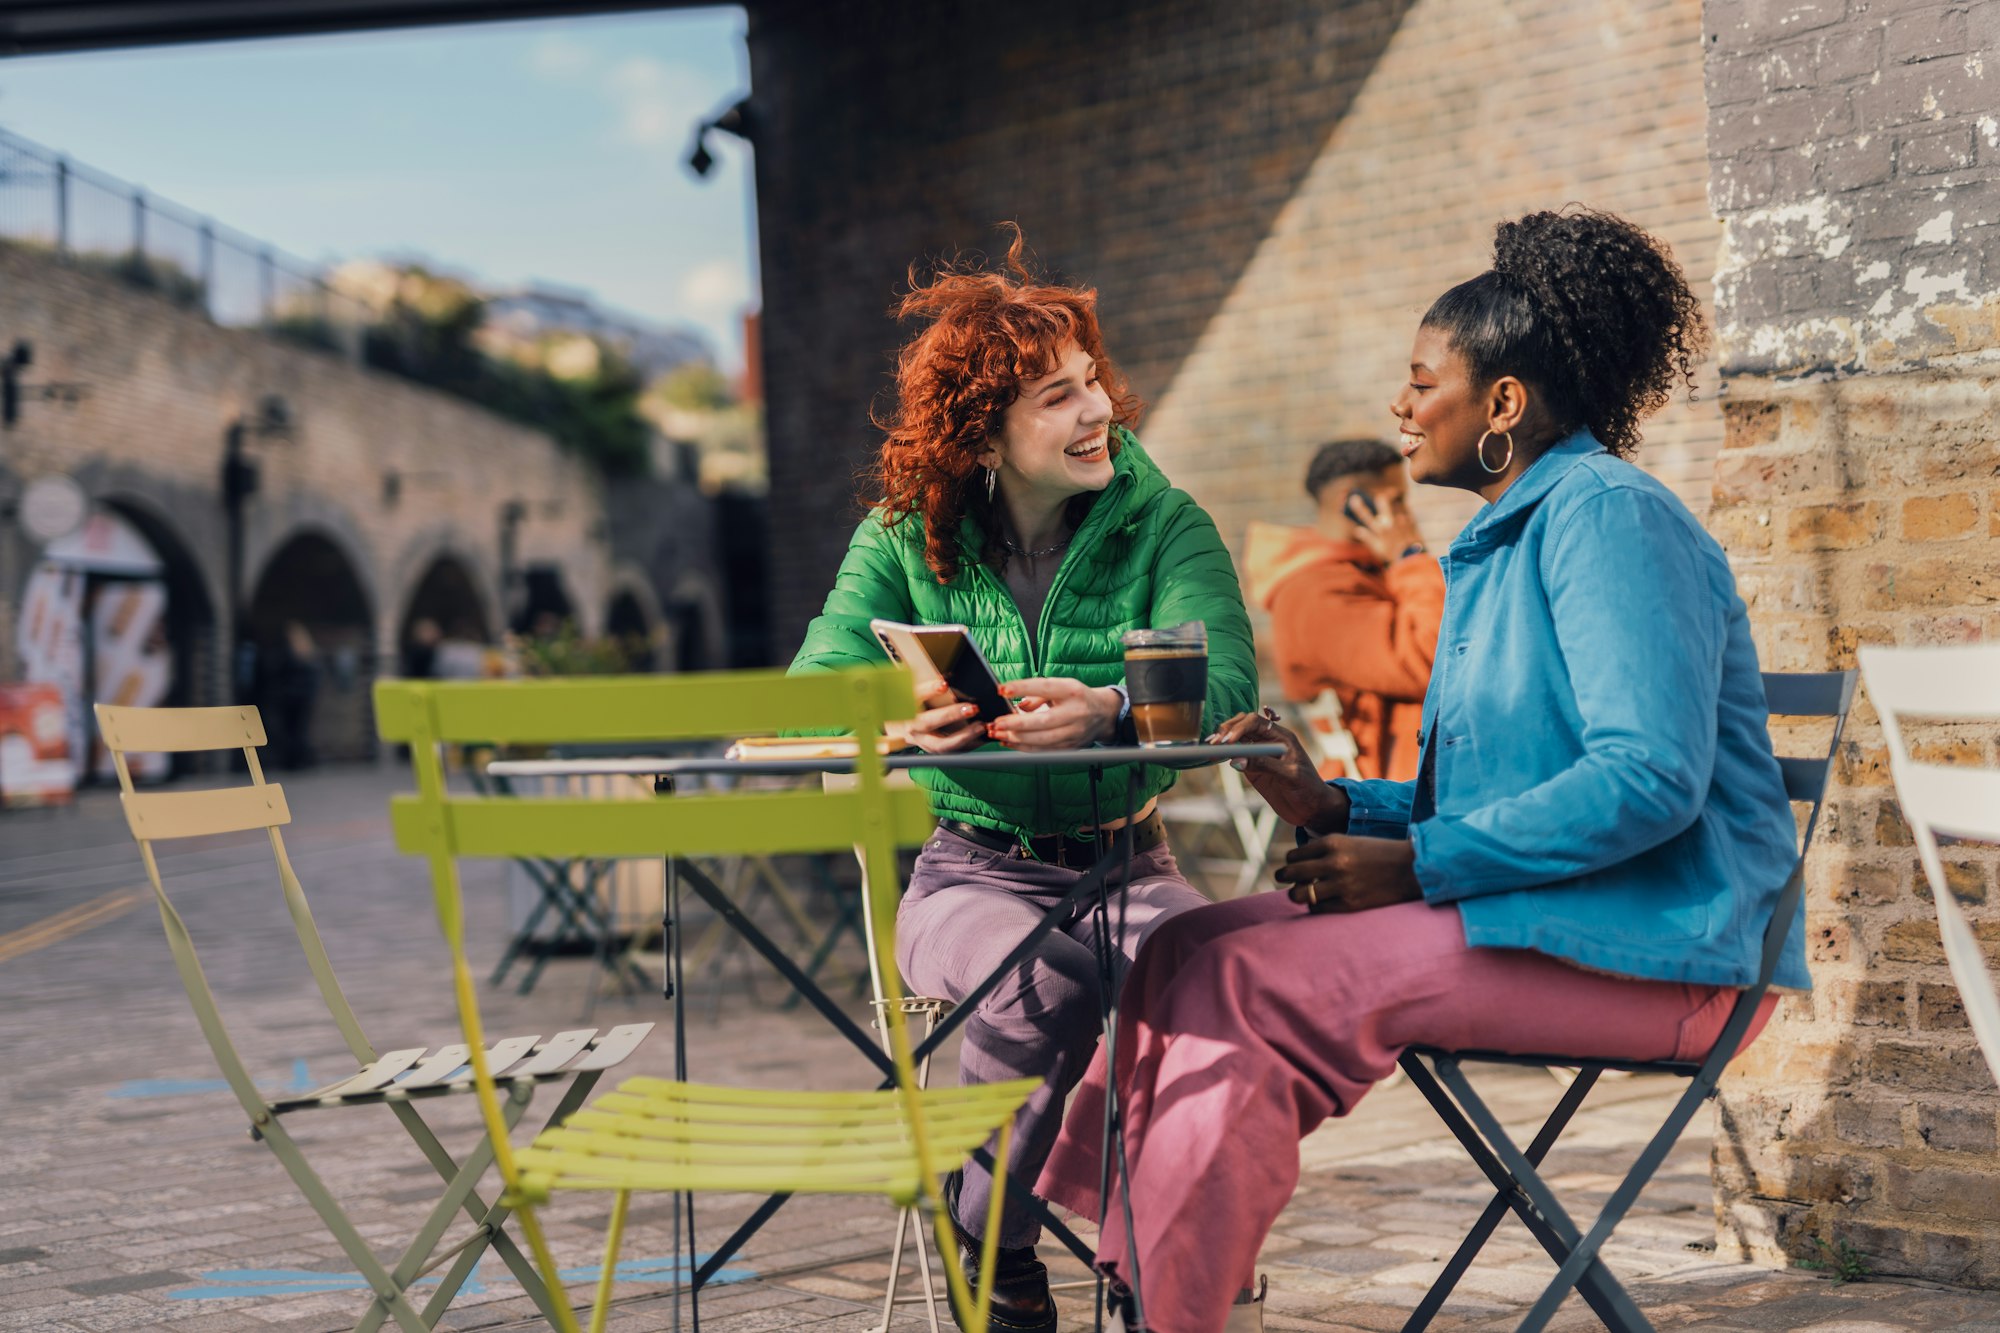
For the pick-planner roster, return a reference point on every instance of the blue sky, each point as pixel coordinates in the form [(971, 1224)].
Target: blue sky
[(549, 151)]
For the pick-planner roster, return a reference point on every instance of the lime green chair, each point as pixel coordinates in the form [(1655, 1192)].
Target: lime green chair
[(656, 1134)]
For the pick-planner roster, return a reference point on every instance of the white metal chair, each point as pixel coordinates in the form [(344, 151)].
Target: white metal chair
[(1229, 811), (1942, 800), (1323, 728)]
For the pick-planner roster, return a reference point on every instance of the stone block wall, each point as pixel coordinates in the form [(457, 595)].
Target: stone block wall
[(161, 384), (1856, 164)]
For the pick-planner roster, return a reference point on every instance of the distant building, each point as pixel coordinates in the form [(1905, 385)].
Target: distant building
[(538, 314)]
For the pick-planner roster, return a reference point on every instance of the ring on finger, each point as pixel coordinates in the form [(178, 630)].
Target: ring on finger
[(1312, 893)]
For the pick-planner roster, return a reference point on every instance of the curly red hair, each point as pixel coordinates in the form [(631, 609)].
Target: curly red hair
[(990, 331)]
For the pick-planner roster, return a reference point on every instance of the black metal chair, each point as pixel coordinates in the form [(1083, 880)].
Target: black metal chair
[(1512, 1170)]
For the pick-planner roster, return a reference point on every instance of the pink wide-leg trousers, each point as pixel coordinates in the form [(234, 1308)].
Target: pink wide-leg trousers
[(1246, 1024)]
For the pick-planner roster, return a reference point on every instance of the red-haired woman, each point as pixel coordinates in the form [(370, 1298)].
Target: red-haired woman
[(1014, 500)]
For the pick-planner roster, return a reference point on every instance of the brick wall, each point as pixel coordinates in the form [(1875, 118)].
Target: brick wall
[(1267, 195), (1145, 149), (1460, 125), (161, 386), (1856, 164)]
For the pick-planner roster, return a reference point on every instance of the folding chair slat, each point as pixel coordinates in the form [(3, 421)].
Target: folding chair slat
[(157, 816), (179, 730), (449, 1060), (613, 1047), (566, 827), (603, 709), (556, 1052), (1962, 802), (1805, 779), (372, 1078)]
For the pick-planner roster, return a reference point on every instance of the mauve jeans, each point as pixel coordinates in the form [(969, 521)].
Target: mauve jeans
[(1246, 1025), (966, 908)]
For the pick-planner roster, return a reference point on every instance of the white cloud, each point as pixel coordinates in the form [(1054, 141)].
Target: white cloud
[(717, 287), (559, 59), (657, 103)]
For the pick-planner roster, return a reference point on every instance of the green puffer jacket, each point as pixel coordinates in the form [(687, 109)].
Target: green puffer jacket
[(1146, 557)]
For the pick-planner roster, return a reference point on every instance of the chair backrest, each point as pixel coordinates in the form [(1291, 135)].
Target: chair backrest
[(1942, 800), (165, 816), (1806, 694), (645, 711), (1324, 730)]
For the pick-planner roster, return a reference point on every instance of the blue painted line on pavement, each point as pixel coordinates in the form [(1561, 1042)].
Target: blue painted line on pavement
[(300, 1081), (237, 1283)]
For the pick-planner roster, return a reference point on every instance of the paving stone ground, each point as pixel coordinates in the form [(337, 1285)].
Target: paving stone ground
[(131, 1196)]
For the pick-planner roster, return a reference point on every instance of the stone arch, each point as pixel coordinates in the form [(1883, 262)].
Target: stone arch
[(694, 619), (269, 528), (632, 616), (545, 603), (310, 621), (196, 619), (446, 603), (414, 565)]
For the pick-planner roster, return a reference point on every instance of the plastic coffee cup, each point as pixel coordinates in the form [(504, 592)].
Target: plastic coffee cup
[(1166, 674)]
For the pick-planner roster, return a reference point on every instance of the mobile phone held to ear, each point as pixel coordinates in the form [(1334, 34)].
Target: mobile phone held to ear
[(945, 657), (1361, 507)]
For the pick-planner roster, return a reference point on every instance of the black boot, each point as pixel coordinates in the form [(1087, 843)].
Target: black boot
[(1021, 1300)]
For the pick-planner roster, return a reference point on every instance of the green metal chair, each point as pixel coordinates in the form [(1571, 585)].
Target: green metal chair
[(395, 1078), (657, 1134)]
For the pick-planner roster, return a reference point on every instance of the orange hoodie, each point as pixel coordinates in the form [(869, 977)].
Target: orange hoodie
[(1340, 620)]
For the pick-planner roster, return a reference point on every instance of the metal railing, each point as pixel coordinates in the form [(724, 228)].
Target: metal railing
[(97, 221)]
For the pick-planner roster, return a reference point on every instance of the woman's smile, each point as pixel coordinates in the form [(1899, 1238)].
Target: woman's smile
[(1409, 442), (1091, 447)]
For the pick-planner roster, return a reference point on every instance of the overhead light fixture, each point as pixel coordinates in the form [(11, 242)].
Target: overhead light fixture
[(739, 120)]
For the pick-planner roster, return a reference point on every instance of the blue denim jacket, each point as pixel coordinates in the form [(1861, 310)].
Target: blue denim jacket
[(1604, 786)]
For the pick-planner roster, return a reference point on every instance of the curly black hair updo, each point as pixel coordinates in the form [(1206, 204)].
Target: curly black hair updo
[(1586, 308)]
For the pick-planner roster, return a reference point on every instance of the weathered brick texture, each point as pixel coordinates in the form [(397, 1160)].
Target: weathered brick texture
[(1266, 194), (1856, 164), (161, 387)]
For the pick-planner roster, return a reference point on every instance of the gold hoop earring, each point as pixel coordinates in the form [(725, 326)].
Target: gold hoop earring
[(1480, 449), (992, 480)]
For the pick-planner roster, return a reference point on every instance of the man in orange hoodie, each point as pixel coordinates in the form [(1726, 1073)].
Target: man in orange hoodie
[(1355, 601)]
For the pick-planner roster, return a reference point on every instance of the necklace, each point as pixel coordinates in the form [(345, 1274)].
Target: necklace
[(1039, 552)]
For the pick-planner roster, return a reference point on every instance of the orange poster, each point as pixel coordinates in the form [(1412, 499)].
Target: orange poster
[(35, 763)]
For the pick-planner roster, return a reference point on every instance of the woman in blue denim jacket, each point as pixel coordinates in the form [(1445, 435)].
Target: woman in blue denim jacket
[(1598, 831)]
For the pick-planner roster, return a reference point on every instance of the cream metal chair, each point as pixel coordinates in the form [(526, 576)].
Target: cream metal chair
[(396, 1078), (1943, 800)]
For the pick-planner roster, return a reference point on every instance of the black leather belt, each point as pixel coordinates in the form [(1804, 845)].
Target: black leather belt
[(1057, 849)]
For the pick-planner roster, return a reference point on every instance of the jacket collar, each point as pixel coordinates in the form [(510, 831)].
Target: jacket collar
[(1529, 489), (1135, 480)]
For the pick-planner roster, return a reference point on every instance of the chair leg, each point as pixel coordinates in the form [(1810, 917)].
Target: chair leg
[(388, 1294), (613, 1237), (924, 1269), (492, 1218), (895, 1267), (1505, 1192), (1623, 1315), (1619, 1203), (458, 1188)]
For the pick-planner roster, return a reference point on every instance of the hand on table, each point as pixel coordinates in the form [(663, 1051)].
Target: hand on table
[(1289, 784), (1057, 713), (1341, 873), (946, 726)]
